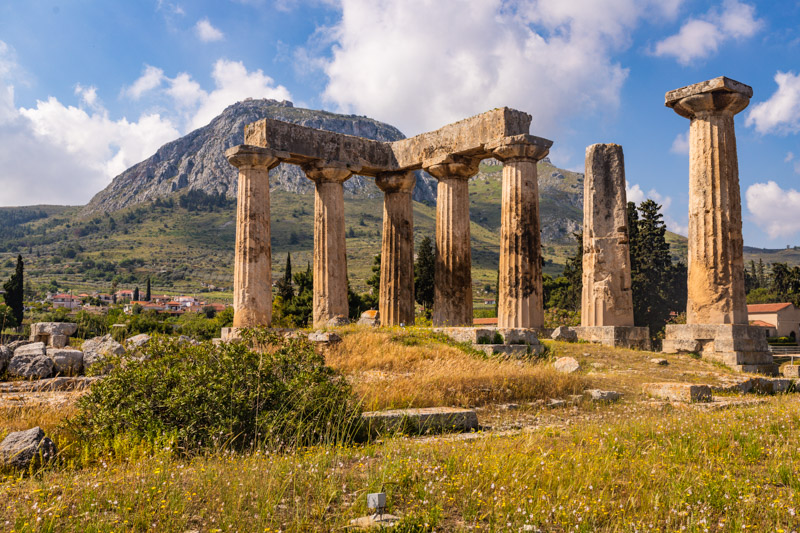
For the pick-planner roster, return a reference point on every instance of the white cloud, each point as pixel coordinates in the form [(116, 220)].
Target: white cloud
[(774, 209), (781, 113), (789, 157), (420, 64), (151, 78), (206, 32), (680, 145), (635, 194), (700, 38)]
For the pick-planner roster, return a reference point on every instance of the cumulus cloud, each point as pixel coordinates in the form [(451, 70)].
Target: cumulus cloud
[(680, 145), (701, 37), (781, 112), (63, 153), (789, 157), (774, 209), (420, 64), (206, 32)]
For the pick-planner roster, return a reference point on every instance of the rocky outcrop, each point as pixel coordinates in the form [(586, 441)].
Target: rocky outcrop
[(21, 448), (98, 349), (31, 362)]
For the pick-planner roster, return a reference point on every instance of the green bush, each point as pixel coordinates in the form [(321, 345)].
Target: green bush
[(221, 397)]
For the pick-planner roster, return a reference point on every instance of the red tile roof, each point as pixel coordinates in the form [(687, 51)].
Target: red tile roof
[(762, 324), (767, 308)]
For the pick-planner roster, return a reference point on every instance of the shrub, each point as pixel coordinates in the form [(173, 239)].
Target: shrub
[(224, 397)]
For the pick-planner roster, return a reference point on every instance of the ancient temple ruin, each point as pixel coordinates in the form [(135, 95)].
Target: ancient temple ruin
[(716, 315), (451, 155), (607, 298)]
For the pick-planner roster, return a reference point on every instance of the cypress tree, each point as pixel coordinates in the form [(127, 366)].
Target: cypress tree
[(14, 288), (424, 269), (285, 290), (136, 294), (147, 295)]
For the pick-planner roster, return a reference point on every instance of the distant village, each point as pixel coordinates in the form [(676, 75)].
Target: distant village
[(98, 302)]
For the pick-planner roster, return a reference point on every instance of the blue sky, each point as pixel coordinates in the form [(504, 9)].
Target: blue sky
[(89, 88)]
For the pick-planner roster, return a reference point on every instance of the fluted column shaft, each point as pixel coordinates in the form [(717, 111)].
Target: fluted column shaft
[(716, 292), (607, 298), (452, 296), (330, 255), (252, 274), (520, 303), (396, 295)]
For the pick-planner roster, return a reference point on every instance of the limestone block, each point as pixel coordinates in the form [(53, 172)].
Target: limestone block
[(137, 341), (369, 318), (58, 341), (657, 361), (337, 321), (597, 395), (6, 354), (637, 338), (791, 371), (66, 361), (21, 448), (418, 421), (740, 346), (98, 349), (53, 328), (31, 362), (566, 365), (679, 392), (564, 333), (513, 351), (324, 337)]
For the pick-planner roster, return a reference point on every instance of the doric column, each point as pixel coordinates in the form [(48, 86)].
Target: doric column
[(397, 251), (452, 296), (607, 298), (252, 271), (330, 256), (519, 293), (716, 263)]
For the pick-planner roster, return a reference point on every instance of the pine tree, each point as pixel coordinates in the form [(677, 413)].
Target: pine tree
[(147, 295), (761, 273), (15, 291), (424, 271)]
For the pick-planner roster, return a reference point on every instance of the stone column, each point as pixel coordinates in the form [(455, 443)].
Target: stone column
[(519, 292), (252, 271), (716, 263), (397, 251), (330, 256), (452, 297), (607, 299)]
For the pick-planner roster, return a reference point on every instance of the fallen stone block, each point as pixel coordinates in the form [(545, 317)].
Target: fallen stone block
[(21, 448), (66, 361), (31, 362), (782, 385), (597, 395), (137, 341), (6, 354), (564, 333), (338, 320), (512, 351), (679, 392), (791, 371), (657, 361), (420, 421), (566, 365), (99, 349), (370, 317), (324, 337)]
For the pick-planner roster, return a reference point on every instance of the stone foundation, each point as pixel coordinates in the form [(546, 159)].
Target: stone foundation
[(637, 338), (739, 346)]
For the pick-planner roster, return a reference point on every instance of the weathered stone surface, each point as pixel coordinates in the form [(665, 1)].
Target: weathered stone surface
[(6, 354), (252, 273), (657, 361), (52, 328), (512, 351), (607, 299), (716, 293), (330, 255), (66, 361), (370, 317), (637, 338), (98, 349), (396, 293), (137, 341), (324, 337), (21, 448), (567, 365), (31, 362), (597, 395), (564, 333), (740, 346), (416, 421), (679, 392), (782, 385), (452, 297), (520, 302), (791, 371), (337, 321), (16, 344)]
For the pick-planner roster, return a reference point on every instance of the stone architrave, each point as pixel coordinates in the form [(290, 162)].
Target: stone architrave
[(330, 256), (607, 299), (452, 296), (520, 303), (396, 304), (252, 275), (716, 314)]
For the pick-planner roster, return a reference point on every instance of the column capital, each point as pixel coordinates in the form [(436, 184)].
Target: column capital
[(719, 96), (520, 147), (328, 171), (396, 181), (246, 157), (452, 166)]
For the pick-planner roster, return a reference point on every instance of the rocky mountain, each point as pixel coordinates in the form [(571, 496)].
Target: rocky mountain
[(197, 160)]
